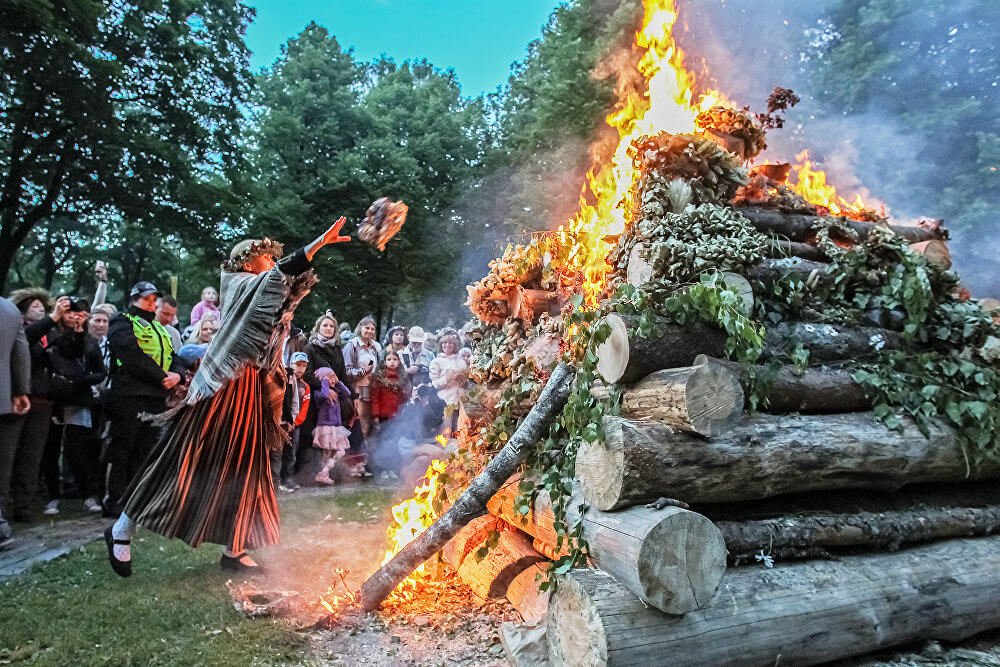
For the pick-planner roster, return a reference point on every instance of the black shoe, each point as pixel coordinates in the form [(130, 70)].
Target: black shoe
[(123, 568), (234, 564)]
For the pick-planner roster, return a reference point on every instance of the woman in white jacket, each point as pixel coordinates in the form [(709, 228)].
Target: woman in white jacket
[(450, 375)]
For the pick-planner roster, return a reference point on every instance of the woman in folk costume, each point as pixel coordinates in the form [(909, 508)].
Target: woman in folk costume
[(209, 477)]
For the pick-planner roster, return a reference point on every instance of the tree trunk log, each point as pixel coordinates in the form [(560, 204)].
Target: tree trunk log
[(793, 614), (525, 594), (625, 357), (780, 249), (705, 398), (534, 302), (799, 227), (766, 455), (469, 538), (490, 577), (771, 271), (819, 390), (672, 559), (799, 536), (472, 502), (935, 252)]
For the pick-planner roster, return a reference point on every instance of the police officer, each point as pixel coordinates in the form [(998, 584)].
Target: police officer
[(143, 373)]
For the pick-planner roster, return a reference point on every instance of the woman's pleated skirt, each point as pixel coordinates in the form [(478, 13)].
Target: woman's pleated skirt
[(209, 477)]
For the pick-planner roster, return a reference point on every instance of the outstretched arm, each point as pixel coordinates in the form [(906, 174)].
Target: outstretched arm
[(329, 237)]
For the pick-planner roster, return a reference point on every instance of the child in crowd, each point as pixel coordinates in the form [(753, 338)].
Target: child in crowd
[(330, 436), (209, 304), (293, 412), (390, 388)]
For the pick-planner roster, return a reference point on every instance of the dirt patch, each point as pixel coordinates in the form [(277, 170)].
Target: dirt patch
[(444, 624)]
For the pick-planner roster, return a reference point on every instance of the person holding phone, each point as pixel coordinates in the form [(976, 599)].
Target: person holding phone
[(360, 356)]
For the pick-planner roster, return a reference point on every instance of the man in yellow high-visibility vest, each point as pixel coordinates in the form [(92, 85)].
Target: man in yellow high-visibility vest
[(143, 371)]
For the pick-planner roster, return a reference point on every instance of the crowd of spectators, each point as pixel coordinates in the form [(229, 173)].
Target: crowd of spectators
[(80, 383)]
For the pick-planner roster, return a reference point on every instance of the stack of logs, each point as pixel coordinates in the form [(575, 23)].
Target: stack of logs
[(795, 540)]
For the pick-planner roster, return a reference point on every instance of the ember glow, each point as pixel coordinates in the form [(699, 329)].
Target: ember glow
[(411, 518), (665, 101), (811, 185)]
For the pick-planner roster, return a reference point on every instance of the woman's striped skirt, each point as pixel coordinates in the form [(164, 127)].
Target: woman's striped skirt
[(209, 477)]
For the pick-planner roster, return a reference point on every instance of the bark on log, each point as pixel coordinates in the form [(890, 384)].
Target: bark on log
[(798, 536), (472, 502), (705, 398), (469, 538), (771, 271), (490, 577), (625, 358), (779, 248), (794, 614), (799, 227), (672, 559), (935, 252), (766, 455), (819, 390), (534, 302), (525, 594)]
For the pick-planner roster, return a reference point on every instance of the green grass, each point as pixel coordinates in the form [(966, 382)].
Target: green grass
[(174, 611)]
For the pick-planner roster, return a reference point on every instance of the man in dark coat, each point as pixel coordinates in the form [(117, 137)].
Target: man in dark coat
[(15, 376), (143, 371)]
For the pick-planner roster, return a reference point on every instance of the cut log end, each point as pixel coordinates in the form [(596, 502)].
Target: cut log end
[(613, 353), (575, 631), (602, 464)]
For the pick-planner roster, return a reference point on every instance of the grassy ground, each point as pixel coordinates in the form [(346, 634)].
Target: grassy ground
[(174, 611)]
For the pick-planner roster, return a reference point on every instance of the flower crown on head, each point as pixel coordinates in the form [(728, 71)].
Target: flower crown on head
[(249, 250)]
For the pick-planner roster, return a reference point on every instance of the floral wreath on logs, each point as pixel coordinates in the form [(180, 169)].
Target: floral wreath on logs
[(249, 250)]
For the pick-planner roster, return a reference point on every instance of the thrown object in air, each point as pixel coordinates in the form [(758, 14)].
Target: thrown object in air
[(382, 220)]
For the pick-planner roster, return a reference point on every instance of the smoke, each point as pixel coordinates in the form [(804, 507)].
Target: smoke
[(882, 150)]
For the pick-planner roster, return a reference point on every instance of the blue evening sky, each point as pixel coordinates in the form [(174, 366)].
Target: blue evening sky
[(479, 39)]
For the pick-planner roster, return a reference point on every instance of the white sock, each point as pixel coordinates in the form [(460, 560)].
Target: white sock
[(124, 529)]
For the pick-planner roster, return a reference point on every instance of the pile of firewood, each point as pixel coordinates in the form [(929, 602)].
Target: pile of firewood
[(800, 532)]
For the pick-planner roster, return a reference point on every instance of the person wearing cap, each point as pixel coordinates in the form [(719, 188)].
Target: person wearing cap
[(144, 370), (294, 409), (416, 360), (208, 478)]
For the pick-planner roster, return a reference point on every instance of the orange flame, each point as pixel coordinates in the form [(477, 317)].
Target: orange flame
[(665, 102), (411, 518), (811, 185)]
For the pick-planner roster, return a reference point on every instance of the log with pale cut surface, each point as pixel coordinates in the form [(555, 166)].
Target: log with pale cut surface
[(820, 390), (625, 357), (935, 252), (525, 593), (469, 538), (489, 577), (815, 535), (767, 455), (705, 398), (671, 558), (472, 502), (799, 227), (794, 614)]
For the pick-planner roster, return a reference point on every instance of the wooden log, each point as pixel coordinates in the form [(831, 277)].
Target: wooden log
[(549, 549), (771, 271), (472, 502), (672, 559), (705, 398), (936, 253), (490, 577), (469, 538), (799, 227), (779, 248), (525, 593), (794, 614), (535, 302), (792, 537), (625, 357), (820, 390), (767, 455)]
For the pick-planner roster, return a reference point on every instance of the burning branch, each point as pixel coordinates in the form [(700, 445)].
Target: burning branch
[(472, 502)]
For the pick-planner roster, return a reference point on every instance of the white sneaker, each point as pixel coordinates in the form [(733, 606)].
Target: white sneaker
[(52, 508), (91, 505)]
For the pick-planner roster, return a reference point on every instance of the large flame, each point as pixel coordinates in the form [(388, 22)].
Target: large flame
[(664, 100), (811, 184), (411, 518)]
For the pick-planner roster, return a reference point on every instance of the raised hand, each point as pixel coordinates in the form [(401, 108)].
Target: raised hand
[(329, 237)]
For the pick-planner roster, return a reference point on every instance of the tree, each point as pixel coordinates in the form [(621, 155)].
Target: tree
[(332, 136), (125, 109)]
